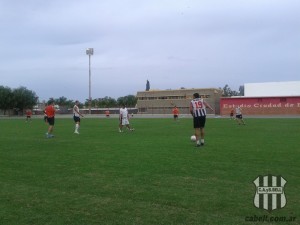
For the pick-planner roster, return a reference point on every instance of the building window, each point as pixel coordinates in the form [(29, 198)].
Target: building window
[(163, 97)]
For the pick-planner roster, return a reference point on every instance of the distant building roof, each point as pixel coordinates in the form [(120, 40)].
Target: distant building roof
[(271, 89)]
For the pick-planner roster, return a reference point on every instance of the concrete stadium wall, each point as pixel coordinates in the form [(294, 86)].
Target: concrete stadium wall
[(163, 101)]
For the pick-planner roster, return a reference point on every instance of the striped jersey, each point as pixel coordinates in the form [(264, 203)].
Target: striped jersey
[(197, 107)]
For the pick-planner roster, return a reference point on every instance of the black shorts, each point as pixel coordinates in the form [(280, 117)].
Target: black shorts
[(239, 116), (199, 122), (175, 116), (50, 121), (76, 119)]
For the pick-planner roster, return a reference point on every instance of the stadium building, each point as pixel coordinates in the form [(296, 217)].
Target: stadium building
[(271, 98), (163, 101)]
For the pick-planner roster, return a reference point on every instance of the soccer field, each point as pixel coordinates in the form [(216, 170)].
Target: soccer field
[(153, 175)]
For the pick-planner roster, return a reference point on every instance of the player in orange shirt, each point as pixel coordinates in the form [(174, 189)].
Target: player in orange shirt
[(50, 112), (28, 115), (175, 112)]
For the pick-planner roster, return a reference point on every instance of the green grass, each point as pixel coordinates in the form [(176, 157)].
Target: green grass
[(153, 175)]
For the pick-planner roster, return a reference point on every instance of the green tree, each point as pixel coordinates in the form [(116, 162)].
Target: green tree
[(227, 92), (6, 98), (242, 90), (128, 100), (64, 102), (108, 102), (50, 100), (24, 98)]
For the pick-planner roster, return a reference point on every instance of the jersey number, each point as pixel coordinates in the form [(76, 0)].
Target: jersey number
[(198, 104)]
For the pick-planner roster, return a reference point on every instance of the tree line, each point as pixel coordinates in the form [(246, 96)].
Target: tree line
[(20, 99), (228, 92), (106, 102), (17, 99)]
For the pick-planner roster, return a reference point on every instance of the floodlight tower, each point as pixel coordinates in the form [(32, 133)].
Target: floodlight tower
[(90, 52)]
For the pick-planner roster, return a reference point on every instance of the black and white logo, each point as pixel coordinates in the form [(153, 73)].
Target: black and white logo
[(269, 193)]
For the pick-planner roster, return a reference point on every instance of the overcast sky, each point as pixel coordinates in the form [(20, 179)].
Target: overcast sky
[(172, 43)]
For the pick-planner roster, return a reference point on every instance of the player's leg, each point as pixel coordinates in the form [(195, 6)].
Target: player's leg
[(196, 121), (50, 128), (77, 124), (202, 135), (237, 119), (126, 122), (197, 134), (242, 120), (121, 124), (202, 125), (49, 132), (129, 128)]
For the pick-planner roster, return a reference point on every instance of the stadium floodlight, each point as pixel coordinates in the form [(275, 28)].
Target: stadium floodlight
[(90, 52)]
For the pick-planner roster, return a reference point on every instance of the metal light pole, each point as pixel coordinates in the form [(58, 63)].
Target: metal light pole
[(90, 52)]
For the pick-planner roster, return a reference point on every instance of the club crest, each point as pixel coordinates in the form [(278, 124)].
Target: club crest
[(269, 192)]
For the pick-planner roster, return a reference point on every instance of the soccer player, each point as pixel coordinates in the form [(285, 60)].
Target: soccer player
[(198, 111), (107, 113), (76, 117), (124, 119), (231, 114), (175, 112), (28, 115), (50, 112), (239, 116)]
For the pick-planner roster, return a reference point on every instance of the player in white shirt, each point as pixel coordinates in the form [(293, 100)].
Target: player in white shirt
[(76, 117), (124, 119), (239, 116)]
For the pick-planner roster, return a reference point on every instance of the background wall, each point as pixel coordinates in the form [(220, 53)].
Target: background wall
[(262, 105)]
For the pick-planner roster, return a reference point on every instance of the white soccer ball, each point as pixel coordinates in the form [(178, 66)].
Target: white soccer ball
[(193, 138)]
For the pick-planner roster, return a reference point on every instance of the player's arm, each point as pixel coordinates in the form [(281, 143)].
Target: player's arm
[(191, 109), (80, 113), (128, 115), (208, 106)]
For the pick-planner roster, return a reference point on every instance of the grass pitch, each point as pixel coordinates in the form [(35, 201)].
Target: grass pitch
[(153, 175)]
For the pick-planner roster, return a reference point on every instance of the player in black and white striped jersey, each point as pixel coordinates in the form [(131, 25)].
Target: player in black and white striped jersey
[(76, 117), (198, 111)]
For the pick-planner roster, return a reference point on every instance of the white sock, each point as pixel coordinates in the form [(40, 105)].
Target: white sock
[(202, 141), (76, 127)]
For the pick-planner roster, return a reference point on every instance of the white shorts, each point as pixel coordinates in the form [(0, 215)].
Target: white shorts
[(125, 121)]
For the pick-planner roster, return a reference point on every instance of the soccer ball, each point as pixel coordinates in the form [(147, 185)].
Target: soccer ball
[(193, 138)]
